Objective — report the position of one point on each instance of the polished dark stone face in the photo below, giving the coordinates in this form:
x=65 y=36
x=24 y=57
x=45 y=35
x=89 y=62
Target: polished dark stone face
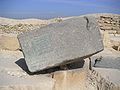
x=61 y=43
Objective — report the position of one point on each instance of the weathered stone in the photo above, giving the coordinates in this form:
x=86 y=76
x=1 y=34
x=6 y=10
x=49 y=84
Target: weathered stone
x=109 y=22
x=9 y=43
x=115 y=41
x=71 y=80
x=104 y=79
x=109 y=62
x=106 y=39
x=61 y=43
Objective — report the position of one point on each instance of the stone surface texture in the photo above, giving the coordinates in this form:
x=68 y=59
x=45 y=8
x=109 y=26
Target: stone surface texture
x=109 y=25
x=104 y=79
x=60 y=43
x=71 y=80
x=9 y=42
x=110 y=22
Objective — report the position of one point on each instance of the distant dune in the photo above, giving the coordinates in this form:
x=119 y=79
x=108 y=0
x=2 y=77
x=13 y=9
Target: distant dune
x=21 y=25
x=7 y=21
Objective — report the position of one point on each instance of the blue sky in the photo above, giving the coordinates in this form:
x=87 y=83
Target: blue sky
x=56 y=8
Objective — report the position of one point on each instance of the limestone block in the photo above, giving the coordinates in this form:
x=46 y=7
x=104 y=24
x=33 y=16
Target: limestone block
x=9 y=42
x=71 y=80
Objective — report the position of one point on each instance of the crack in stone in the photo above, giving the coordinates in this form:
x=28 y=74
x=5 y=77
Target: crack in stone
x=87 y=24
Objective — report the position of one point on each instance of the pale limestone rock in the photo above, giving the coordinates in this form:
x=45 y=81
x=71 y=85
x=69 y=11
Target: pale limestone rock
x=9 y=43
x=70 y=80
